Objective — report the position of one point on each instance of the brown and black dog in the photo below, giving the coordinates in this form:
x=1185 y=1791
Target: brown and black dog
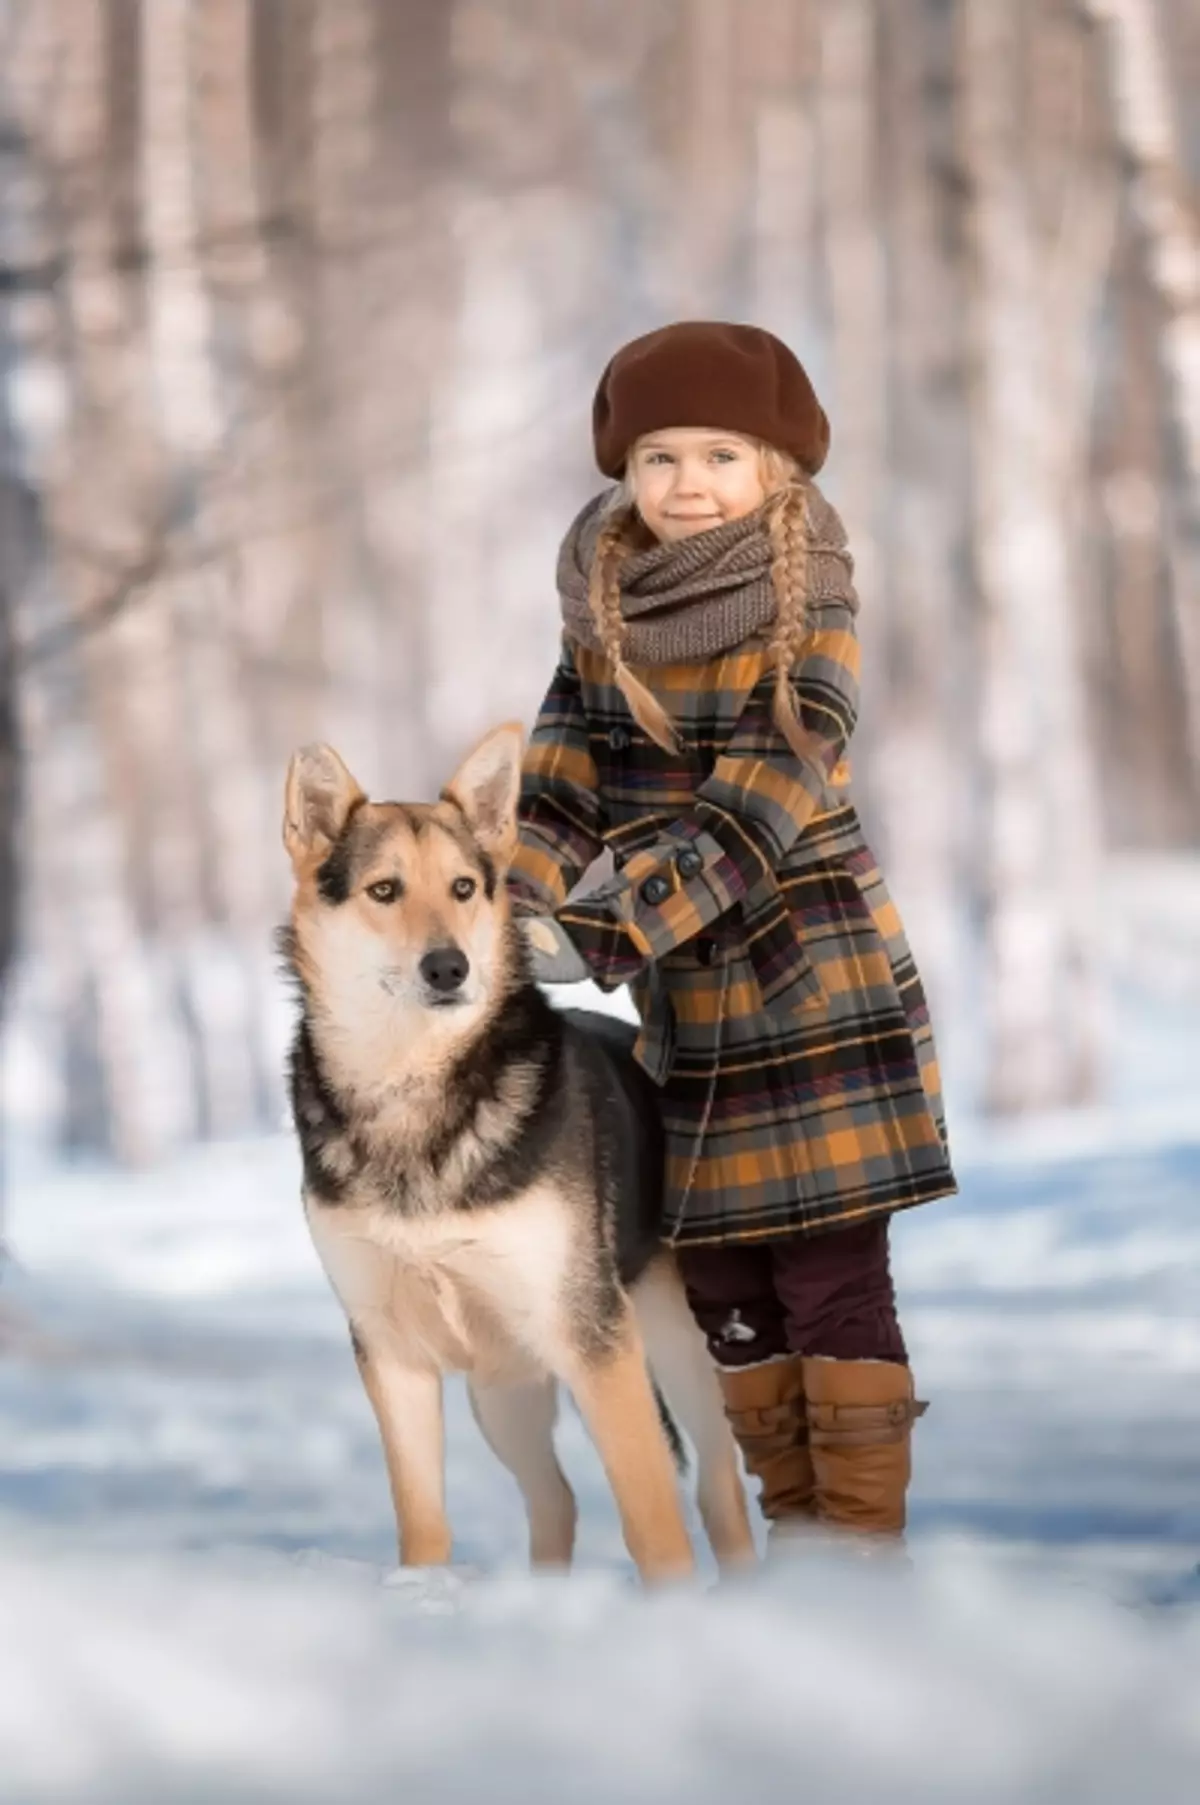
x=482 y=1173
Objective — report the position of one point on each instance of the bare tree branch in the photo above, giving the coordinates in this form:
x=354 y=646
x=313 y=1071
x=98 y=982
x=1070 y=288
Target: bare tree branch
x=67 y=634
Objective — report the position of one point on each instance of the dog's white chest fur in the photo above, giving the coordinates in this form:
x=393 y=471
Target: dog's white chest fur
x=481 y=1291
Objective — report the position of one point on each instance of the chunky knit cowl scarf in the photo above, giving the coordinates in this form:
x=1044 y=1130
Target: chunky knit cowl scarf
x=686 y=602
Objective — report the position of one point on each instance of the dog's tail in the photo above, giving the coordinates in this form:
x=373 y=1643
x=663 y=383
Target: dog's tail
x=671 y=1430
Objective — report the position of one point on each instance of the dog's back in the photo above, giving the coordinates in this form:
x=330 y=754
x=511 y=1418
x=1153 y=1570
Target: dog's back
x=627 y=1131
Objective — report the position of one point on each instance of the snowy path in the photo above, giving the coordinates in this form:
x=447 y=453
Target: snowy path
x=195 y=1525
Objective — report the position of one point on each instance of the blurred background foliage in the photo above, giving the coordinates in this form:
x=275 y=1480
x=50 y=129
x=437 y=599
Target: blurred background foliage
x=301 y=307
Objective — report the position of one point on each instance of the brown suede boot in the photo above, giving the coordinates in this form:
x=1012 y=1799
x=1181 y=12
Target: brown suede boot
x=860 y=1418
x=765 y=1407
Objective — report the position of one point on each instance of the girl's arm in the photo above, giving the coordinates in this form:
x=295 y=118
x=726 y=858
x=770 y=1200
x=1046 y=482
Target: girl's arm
x=745 y=819
x=561 y=819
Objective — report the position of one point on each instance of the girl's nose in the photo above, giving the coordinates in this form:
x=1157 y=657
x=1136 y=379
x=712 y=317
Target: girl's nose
x=688 y=480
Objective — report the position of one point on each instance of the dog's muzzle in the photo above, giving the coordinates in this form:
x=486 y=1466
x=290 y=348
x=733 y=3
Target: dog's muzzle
x=444 y=971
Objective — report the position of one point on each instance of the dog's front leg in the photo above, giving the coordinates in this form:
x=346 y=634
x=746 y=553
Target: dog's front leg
x=407 y=1402
x=613 y=1391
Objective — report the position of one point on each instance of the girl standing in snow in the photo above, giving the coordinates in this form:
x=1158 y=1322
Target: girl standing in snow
x=697 y=727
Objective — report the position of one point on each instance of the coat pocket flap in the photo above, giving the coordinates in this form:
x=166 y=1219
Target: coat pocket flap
x=786 y=977
x=797 y=986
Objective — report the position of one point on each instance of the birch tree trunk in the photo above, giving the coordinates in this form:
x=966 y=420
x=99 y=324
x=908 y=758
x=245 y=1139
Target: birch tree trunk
x=846 y=122
x=10 y=762
x=295 y=494
x=19 y=549
x=1144 y=117
x=508 y=420
x=616 y=100
x=703 y=257
x=31 y=409
x=344 y=76
x=231 y=982
x=19 y=525
x=409 y=330
x=1040 y=850
x=1151 y=788
x=104 y=514
x=919 y=780
x=786 y=298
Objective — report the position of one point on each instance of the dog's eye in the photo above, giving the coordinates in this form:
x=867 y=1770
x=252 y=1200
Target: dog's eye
x=464 y=888
x=386 y=890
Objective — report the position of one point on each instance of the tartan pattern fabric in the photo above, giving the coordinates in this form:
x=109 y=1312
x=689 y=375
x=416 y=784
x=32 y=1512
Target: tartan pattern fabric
x=781 y=1009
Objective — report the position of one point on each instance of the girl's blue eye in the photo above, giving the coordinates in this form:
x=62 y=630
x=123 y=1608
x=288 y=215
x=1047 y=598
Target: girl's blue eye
x=725 y=457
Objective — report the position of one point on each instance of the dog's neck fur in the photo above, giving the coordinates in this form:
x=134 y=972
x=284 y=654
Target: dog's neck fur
x=387 y=1065
x=414 y=1103
x=395 y=1056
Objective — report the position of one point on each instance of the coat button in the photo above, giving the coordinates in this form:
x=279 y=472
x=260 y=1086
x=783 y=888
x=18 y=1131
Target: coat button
x=706 y=950
x=689 y=863
x=619 y=739
x=655 y=890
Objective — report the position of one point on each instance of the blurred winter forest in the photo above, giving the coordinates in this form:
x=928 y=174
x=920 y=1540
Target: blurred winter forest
x=301 y=307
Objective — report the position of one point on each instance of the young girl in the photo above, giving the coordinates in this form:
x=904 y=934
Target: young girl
x=697 y=727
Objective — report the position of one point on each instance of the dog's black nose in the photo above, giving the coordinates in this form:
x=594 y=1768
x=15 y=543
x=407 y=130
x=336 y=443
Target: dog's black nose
x=444 y=969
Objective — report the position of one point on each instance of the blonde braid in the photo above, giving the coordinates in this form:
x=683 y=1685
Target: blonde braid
x=613 y=542
x=787 y=528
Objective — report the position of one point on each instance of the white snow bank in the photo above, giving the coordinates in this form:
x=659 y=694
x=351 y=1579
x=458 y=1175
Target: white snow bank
x=179 y=1409
x=151 y=1683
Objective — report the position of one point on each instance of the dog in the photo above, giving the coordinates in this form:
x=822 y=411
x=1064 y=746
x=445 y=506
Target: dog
x=482 y=1174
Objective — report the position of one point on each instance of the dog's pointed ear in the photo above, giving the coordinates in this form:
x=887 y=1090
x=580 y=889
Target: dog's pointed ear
x=486 y=786
x=318 y=798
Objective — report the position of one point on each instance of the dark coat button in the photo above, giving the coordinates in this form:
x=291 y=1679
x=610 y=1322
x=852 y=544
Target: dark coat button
x=706 y=950
x=619 y=739
x=689 y=863
x=655 y=890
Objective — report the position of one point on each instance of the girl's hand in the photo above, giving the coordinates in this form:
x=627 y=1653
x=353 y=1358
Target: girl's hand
x=552 y=954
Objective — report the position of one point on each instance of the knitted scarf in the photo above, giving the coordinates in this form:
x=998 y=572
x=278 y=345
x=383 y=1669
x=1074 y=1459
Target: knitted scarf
x=686 y=602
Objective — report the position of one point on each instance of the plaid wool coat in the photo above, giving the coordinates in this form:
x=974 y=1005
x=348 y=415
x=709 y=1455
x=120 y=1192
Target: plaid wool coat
x=782 y=1013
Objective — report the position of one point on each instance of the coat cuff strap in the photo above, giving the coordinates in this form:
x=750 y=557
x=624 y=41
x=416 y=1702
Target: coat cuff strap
x=671 y=891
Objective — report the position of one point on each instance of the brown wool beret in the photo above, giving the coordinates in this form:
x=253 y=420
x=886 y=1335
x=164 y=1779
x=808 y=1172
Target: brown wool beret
x=703 y=373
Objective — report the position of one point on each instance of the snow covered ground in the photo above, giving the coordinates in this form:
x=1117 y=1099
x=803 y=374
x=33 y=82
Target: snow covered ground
x=196 y=1594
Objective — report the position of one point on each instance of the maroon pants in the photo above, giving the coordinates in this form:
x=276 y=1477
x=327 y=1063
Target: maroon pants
x=828 y=1293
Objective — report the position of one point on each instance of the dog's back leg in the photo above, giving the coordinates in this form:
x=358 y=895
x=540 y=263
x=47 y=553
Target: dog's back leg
x=611 y=1385
x=682 y=1366
x=518 y=1425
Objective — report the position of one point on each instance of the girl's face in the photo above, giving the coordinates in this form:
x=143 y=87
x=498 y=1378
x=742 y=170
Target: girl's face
x=689 y=479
